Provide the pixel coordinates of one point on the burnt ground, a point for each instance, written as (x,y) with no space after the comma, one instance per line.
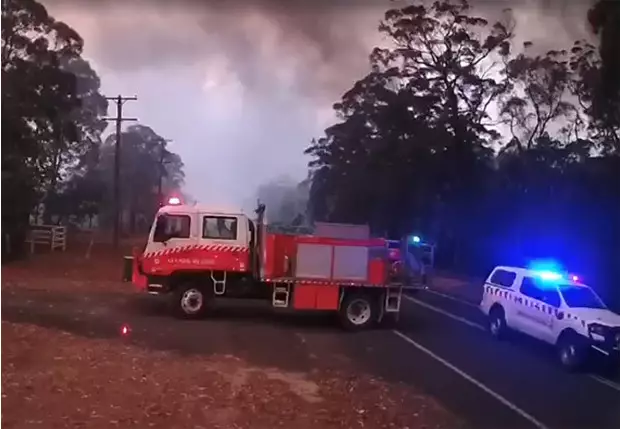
(65,362)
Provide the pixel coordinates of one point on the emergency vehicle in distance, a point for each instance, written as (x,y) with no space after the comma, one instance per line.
(196,254)
(552,307)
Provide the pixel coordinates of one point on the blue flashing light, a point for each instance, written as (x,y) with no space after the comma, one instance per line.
(547,269)
(415,239)
(549,275)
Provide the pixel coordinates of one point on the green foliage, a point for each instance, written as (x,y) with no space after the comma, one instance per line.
(603,80)
(46,108)
(496,156)
(144,157)
(52,150)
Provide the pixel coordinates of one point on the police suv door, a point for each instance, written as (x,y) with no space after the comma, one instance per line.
(536,308)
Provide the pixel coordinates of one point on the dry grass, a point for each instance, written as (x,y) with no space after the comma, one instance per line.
(99,269)
(51,379)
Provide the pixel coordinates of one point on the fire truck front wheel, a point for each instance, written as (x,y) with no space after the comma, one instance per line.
(190,301)
(358,311)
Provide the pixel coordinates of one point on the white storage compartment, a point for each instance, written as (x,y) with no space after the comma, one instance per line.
(313,261)
(351,263)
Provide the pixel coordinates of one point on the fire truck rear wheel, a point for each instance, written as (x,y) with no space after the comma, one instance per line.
(190,301)
(358,311)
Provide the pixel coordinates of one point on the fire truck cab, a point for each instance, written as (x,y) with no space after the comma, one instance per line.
(197,254)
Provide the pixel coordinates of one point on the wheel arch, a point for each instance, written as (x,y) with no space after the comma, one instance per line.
(495,307)
(565,333)
(181,277)
(374,293)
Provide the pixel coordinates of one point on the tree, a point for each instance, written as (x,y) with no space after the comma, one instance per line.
(602,112)
(538,99)
(604,18)
(44,115)
(412,149)
(383,145)
(448,57)
(142,163)
(418,121)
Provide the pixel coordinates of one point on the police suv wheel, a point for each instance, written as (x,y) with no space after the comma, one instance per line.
(497,323)
(357,312)
(571,352)
(190,301)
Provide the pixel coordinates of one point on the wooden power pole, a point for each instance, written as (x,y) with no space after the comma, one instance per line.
(162,163)
(119,101)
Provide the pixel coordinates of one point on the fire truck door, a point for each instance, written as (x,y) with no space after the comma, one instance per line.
(172,230)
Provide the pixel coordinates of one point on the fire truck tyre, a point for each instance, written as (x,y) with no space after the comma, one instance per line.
(497,323)
(357,311)
(571,351)
(190,301)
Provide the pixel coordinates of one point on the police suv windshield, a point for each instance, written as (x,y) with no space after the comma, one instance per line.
(581,297)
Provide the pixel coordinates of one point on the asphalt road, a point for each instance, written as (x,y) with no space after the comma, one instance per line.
(440,347)
(521,378)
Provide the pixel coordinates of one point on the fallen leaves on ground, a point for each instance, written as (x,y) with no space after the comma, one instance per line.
(99,269)
(52,379)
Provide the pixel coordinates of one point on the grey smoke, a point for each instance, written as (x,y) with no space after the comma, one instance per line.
(320,45)
(242,86)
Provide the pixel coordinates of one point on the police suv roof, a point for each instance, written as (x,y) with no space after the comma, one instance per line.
(517,270)
(568,279)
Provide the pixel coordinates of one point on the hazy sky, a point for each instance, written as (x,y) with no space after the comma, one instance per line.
(242,86)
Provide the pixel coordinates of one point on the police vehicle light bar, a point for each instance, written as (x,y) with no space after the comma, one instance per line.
(549,275)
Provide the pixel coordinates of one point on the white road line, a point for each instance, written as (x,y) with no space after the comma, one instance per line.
(609,383)
(473,381)
(450,297)
(445,313)
(606,382)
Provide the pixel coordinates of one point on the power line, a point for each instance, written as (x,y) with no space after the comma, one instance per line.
(119,119)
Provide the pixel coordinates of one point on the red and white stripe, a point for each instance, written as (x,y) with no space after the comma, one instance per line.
(198,247)
(322,282)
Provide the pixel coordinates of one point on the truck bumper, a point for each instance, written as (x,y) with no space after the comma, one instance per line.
(610,347)
(606,351)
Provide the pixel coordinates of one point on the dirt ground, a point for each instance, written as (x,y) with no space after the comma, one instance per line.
(67,364)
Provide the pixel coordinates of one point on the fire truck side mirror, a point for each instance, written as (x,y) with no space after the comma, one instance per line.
(160,235)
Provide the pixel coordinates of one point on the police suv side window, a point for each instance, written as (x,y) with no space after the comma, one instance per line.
(503,278)
(219,227)
(529,288)
(548,295)
(177,226)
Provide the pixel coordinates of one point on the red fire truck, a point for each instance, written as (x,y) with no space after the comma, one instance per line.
(197,254)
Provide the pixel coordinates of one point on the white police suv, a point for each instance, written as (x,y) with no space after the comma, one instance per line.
(555,308)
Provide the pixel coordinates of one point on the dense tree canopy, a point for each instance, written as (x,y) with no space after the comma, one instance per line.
(53,122)
(498,153)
